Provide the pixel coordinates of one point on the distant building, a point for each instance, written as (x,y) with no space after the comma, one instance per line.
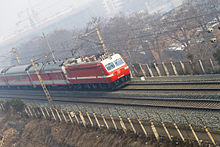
(114,7)
(161,6)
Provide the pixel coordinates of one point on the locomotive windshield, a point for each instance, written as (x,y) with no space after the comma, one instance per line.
(118,62)
(112,65)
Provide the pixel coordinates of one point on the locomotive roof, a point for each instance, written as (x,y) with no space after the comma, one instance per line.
(50,66)
(99,59)
(17,69)
(28,67)
(53,66)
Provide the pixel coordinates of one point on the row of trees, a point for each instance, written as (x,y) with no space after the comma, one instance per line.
(180,34)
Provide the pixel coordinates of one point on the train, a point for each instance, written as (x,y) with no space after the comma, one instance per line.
(95,72)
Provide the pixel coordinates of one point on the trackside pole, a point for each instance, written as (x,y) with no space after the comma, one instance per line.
(53,114)
(30,111)
(2,107)
(213,69)
(121,122)
(174,68)
(63,115)
(49,98)
(113,121)
(81,116)
(134,69)
(139,121)
(104,120)
(150,71)
(183,67)
(165,69)
(194,133)
(207,131)
(90,120)
(106,124)
(153,128)
(96,119)
(58,114)
(76,117)
(157,69)
(69,117)
(201,65)
(165,128)
(42,111)
(144,73)
(25,109)
(48,114)
(33,111)
(178,130)
(132,126)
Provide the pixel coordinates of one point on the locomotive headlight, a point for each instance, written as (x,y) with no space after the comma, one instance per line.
(125,68)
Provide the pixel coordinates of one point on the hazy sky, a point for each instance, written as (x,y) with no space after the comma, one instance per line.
(15,14)
(8,14)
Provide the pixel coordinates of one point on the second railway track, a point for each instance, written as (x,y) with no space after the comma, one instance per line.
(116,99)
(172,86)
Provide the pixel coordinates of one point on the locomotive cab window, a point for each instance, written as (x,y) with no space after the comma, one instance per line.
(118,62)
(110,66)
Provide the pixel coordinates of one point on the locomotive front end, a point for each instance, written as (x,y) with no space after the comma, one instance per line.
(117,69)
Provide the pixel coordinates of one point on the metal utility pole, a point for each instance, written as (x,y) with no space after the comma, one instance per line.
(102,42)
(98,43)
(16,55)
(48,44)
(50,100)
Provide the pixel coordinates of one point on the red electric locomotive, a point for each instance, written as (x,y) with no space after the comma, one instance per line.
(91,72)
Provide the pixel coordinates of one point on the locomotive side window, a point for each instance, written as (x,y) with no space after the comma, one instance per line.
(118,62)
(101,69)
(110,66)
(56,76)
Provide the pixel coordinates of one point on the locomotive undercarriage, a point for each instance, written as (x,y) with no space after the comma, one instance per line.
(81,87)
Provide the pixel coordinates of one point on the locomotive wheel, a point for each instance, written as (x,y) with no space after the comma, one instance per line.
(87,86)
(94,86)
(78,87)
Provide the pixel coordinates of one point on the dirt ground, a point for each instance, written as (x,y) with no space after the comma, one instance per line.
(17,131)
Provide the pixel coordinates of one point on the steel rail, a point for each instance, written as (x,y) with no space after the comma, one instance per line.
(209,105)
(172,86)
(111,95)
(173,83)
(139,89)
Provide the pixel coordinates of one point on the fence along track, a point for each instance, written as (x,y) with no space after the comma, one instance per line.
(79,114)
(174,68)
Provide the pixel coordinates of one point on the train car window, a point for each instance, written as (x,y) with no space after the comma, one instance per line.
(56,76)
(101,69)
(118,62)
(59,76)
(62,76)
(110,66)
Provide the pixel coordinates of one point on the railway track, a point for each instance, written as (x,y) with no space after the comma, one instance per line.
(119,100)
(181,95)
(172,86)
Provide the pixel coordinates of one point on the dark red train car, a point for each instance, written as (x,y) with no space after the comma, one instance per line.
(92,72)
